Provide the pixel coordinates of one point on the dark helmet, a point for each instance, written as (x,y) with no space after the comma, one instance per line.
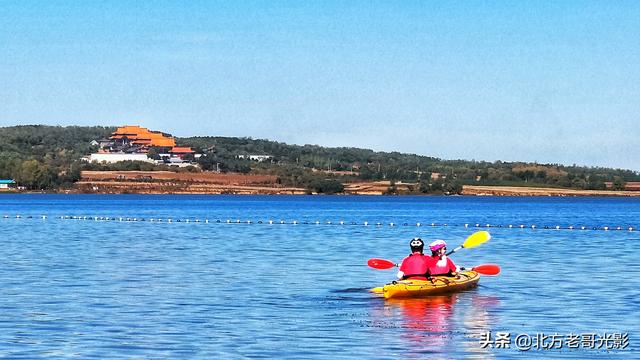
(416,244)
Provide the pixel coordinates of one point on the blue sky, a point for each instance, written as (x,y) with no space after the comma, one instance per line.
(552,82)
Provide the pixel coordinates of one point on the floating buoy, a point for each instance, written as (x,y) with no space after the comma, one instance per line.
(377,224)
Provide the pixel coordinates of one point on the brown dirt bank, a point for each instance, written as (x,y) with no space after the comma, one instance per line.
(167,182)
(534,191)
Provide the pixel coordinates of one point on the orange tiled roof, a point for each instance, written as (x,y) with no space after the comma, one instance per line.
(182,150)
(143,136)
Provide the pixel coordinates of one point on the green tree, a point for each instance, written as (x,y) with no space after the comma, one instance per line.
(451,187)
(619,183)
(595,182)
(326,186)
(391,190)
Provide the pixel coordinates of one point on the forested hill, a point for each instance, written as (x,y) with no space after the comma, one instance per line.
(48,157)
(433,174)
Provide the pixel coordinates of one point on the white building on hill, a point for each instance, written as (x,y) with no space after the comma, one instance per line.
(115,157)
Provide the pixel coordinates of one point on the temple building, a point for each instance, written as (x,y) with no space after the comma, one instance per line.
(141,138)
(132,143)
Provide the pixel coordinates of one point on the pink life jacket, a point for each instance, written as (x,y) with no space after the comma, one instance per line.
(442,266)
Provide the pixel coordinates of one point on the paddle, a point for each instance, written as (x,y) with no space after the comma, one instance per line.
(473,240)
(380,264)
(484,269)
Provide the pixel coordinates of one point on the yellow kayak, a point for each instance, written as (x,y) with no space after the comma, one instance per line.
(436,286)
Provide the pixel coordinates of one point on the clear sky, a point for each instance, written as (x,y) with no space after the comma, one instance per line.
(545,81)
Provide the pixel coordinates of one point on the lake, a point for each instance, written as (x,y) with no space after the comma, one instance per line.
(158,276)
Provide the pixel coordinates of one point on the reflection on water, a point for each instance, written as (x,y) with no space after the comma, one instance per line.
(426,322)
(441,325)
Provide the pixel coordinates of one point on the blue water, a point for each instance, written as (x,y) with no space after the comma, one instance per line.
(220,287)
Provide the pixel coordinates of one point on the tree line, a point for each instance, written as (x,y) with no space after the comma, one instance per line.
(43,157)
(299,165)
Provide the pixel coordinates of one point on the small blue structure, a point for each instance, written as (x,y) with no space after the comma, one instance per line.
(7,184)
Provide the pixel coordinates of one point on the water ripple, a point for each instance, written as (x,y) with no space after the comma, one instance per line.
(148,290)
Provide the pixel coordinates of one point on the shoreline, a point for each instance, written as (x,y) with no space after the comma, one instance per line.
(476,190)
(468,191)
(210,183)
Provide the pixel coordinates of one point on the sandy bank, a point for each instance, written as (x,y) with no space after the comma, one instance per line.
(534,191)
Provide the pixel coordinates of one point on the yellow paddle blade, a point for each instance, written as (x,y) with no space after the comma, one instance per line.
(377,290)
(476,239)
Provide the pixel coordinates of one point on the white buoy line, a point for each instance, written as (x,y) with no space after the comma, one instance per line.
(317,222)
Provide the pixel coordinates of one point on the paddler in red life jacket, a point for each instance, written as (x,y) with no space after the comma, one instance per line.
(415,265)
(439,263)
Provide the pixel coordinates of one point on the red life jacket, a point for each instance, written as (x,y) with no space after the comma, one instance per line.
(415,266)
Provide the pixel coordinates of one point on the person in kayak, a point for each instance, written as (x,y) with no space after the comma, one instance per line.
(439,263)
(415,265)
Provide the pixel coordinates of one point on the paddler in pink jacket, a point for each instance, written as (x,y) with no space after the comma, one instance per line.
(415,265)
(439,263)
